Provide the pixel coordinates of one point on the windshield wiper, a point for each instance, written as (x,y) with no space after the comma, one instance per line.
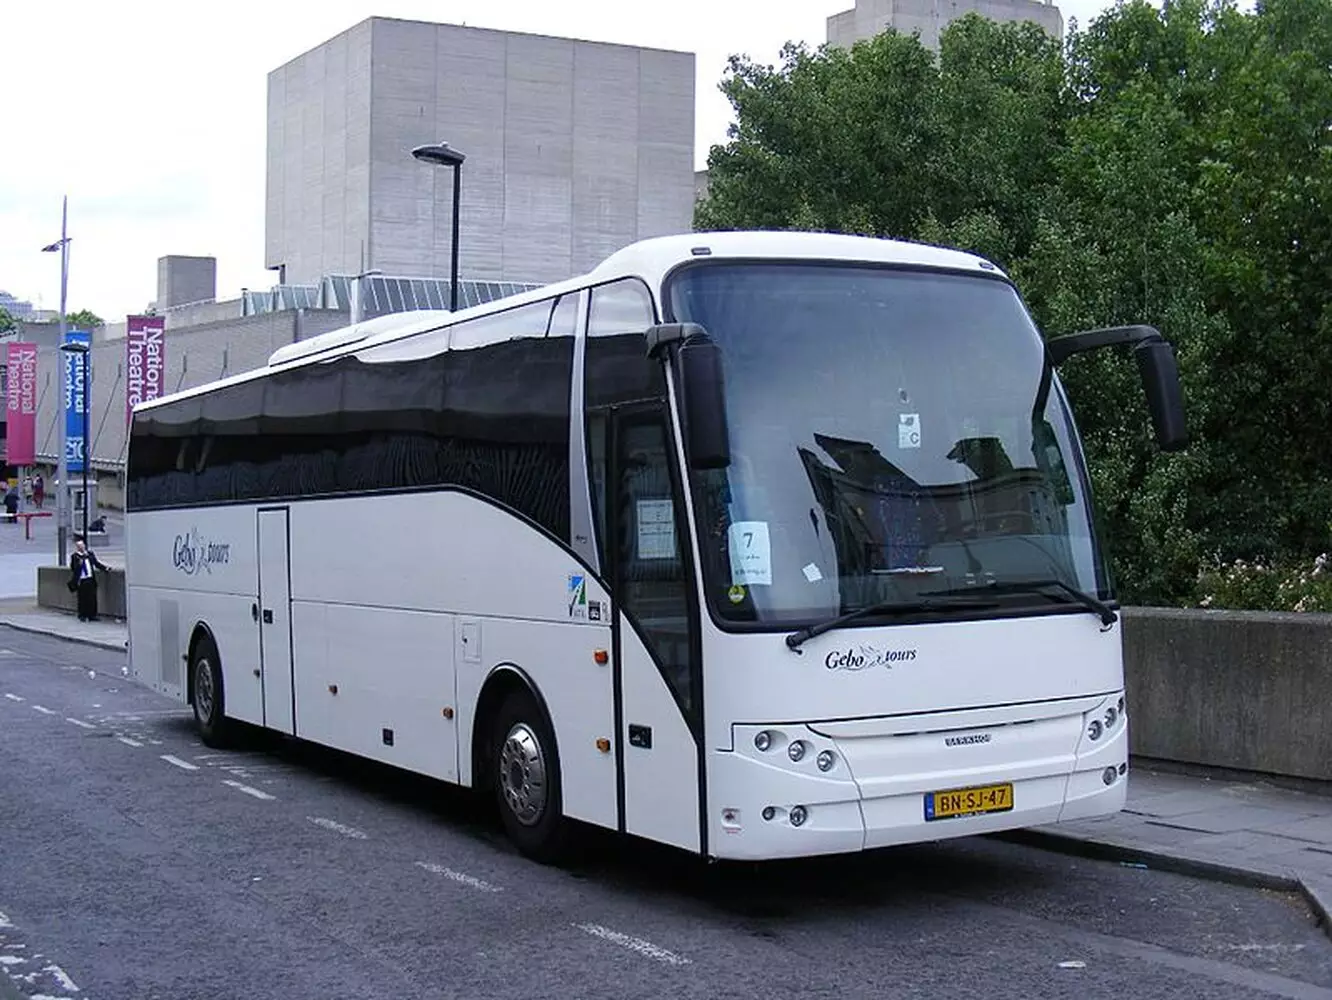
(944,602)
(1042,587)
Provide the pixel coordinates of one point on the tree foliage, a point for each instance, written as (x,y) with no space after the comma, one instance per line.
(1171,167)
(7,321)
(84,319)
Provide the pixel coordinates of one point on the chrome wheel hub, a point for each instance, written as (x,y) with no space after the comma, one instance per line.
(204,697)
(522,775)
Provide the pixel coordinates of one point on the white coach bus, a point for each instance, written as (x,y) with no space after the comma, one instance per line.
(757,544)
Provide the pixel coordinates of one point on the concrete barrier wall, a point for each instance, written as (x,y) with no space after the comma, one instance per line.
(52,591)
(1248,690)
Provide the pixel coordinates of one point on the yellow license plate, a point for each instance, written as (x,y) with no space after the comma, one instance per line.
(968,801)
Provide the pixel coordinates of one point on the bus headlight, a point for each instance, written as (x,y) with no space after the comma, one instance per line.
(796,751)
(798,815)
(763,740)
(1095,729)
(826,759)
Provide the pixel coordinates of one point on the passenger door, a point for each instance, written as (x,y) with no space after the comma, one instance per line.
(273,615)
(642,551)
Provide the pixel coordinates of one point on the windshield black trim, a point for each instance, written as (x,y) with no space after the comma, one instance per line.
(666,309)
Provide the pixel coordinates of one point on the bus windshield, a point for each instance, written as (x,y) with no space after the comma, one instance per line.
(895,433)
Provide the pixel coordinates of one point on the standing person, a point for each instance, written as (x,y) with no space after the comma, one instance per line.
(83,579)
(38,489)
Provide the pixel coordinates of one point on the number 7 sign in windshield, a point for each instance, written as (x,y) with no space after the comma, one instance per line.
(751,553)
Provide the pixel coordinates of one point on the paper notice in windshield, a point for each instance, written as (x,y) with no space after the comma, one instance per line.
(656,529)
(908,430)
(751,553)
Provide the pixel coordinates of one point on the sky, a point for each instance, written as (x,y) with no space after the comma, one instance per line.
(150,116)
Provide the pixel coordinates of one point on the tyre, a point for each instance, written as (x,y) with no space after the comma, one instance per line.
(209,698)
(525,771)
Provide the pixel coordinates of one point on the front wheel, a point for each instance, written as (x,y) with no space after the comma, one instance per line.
(526,776)
(209,704)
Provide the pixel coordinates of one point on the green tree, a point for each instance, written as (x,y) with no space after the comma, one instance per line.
(84,319)
(7,321)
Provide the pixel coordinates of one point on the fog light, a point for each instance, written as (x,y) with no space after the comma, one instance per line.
(825,760)
(798,815)
(796,751)
(1109,775)
(1094,730)
(769,812)
(763,740)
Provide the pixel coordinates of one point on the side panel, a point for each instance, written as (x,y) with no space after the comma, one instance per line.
(275,638)
(188,567)
(661,779)
(561,661)
(375,682)
(431,560)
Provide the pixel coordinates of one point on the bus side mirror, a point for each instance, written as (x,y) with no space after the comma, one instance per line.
(1156,367)
(1165,399)
(703,404)
(702,391)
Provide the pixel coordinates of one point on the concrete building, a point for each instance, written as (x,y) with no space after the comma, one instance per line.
(182,280)
(573,148)
(929,17)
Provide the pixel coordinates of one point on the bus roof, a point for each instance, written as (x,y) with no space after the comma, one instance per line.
(650,259)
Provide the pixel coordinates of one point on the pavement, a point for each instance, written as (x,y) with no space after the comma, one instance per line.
(1245,829)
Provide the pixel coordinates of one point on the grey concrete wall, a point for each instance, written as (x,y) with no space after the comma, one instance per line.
(182,280)
(52,591)
(573,148)
(929,17)
(317,201)
(1236,689)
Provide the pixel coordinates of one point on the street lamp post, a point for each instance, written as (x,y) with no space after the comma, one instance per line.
(62,475)
(441,154)
(77,347)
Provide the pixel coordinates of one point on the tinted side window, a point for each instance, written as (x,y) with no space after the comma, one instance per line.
(617,370)
(493,418)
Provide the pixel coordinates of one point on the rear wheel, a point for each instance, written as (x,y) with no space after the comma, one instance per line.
(209,698)
(526,776)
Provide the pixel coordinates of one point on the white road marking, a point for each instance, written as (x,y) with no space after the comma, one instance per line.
(44,710)
(80,722)
(129,742)
(248,790)
(13,697)
(11,960)
(645,948)
(61,977)
(459,877)
(4,921)
(183,764)
(336,827)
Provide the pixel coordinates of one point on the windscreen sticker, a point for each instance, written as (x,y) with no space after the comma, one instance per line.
(908,430)
(656,529)
(736,594)
(812,573)
(751,553)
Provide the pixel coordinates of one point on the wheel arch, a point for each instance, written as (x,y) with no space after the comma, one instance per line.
(503,680)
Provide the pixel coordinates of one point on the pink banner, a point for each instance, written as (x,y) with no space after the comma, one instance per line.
(21,404)
(145,360)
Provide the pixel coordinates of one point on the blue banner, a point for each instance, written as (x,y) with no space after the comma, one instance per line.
(74,398)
